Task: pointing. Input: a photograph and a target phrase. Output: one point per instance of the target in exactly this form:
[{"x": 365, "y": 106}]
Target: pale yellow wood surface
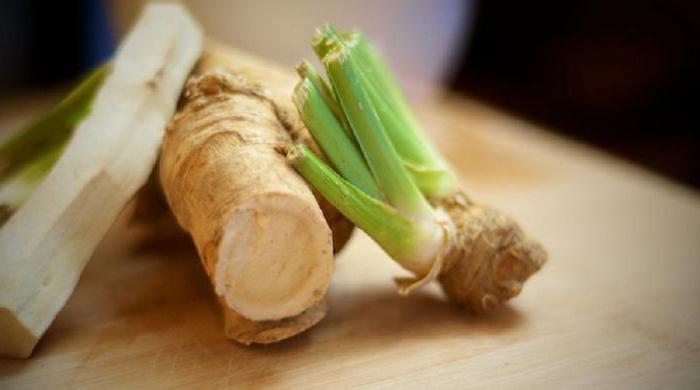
[{"x": 616, "y": 306}]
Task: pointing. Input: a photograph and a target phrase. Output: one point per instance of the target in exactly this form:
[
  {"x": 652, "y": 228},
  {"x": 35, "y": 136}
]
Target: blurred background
[{"x": 620, "y": 75}]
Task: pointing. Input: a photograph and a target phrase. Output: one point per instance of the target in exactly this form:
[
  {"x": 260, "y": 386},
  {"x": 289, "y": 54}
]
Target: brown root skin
[
  {"x": 259, "y": 231},
  {"x": 491, "y": 257},
  {"x": 249, "y": 332},
  {"x": 341, "y": 227},
  {"x": 152, "y": 210},
  {"x": 261, "y": 234},
  {"x": 276, "y": 85}
]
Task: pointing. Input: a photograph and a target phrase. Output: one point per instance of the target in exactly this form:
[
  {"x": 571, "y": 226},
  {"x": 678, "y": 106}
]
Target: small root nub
[{"x": 492, "y": 258}]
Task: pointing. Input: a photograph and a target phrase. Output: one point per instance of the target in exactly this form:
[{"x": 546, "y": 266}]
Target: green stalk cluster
[
  {"x": 28, "y": 156},
  {"x": 383, "y": 168},
  {"x": 427, "y": 167}
]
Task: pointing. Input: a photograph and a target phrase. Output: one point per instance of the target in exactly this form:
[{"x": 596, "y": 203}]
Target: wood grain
[{"x": 613, "y": 307}]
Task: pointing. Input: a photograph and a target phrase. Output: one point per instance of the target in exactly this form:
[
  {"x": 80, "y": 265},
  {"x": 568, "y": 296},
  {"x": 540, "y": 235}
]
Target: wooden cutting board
[{"x": 615, "y": 305}]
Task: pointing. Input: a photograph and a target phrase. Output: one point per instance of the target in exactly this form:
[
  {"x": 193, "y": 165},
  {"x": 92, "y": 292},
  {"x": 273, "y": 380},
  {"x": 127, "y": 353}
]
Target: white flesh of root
[{"x": 271, "y": 263}]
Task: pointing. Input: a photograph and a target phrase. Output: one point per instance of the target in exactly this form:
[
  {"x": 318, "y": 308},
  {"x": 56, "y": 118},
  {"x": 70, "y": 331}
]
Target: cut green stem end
[
  {"x": 307, "y": 71},
  {"x": 336, "y": 144}
]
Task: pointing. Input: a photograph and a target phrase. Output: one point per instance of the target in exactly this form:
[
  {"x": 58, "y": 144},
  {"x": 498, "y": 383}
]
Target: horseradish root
[
  {"x": 49, "y": 239},
  {"x": 491, "y": 257},
  {"x": 248, "y": 332},
  {"x": 259, "y": 231},
  {"x": 277, "y": 85},
  {"x": 391, "y": 183}
]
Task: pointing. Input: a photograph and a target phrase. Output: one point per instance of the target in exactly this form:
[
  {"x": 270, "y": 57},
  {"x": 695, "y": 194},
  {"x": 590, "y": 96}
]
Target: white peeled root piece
[{"x": 48, "y": 240}]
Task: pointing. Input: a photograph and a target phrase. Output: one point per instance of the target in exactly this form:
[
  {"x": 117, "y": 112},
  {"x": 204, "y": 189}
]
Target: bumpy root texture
[
  {"x": 259, "y": 231},
  {"x": 249, "y": 332},
  {"x": 276, "y": 85},
  {"x": 491, "y": 256}
]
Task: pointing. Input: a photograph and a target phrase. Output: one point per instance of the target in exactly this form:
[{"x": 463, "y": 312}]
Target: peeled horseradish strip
[
  {"x": 46, "y": 243},
  {"x": 259, "y": 231}
]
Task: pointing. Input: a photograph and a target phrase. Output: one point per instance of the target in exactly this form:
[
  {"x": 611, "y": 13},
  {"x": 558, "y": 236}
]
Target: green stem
[
  {"x": 306, "y": 70},
  {"x": 430, "y": 173},
  {"x": 426, "y": 166},
  {"x": 331, "y": 137},
  {"x": 404, "y": 239},
  {"x": 379, "y": 152}
]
